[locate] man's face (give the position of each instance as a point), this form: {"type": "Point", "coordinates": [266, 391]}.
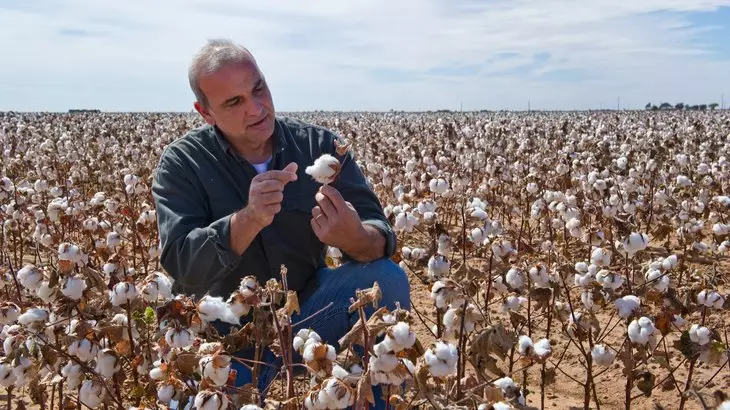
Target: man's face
{"type": "Point", "coordinates": [239, 103]}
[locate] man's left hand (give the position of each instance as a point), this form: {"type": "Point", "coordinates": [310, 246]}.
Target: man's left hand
{"type": "Point", "coordinates": [335, 221]}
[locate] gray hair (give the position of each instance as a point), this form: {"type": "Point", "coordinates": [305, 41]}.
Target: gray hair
{"type": "Point", "coordinates": [215, 55]}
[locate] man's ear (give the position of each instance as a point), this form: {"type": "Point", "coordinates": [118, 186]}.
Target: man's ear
{"type": "Point", "coordinates": [204, 113]}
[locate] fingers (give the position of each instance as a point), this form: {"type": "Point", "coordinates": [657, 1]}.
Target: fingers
{"type": "Point", "coordinates": [292, 167]}
{"type": "Point", "coordinates": [271, 185]}
{"type": "Point", "coordinates": [328, 208]}
{"type": "Point", "coordinates": [336, 199]}
{"type": "Point", "coordinates": [271, 198]}
{"type": "Point", "coordinates": [316, 211]}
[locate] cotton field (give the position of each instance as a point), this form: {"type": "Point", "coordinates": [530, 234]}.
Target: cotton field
{"type": "Point", "coordinates": [556, 260]}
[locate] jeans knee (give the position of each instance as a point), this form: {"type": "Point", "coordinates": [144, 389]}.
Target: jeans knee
{"type": "Point", "coordinates": [393, 282]}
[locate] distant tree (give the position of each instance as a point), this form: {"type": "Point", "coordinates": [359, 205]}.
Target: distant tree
{"type": "Point", "coordinates": [703, 107]}
{"type": "Point", "coordinates": [654, 108]}
{"type": "Point", "coordinates": [679, 106]}
{"type": "Point", "coordinates": [648, 105]}
{"type": "Point", "coordinates": [693, 107]}
{"type": "Point", "coordinates": [713, 106]}
{"type": "Point", "coordinates": [665, 106]}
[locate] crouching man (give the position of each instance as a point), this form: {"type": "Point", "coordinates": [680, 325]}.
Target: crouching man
{"type": "Point", "coordinates": [233, 200]}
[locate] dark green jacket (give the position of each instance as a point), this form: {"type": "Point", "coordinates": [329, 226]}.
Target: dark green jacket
{"type": "Point", "coordinates": [201, 181]}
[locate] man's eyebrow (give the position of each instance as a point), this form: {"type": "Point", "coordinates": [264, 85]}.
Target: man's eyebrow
{"type": "Point", "coordinates": [259, 83]}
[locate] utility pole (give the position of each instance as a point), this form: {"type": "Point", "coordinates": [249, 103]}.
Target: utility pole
{"type": "Point", "coordinates": [618, 103]}
{"type": "Point", "coordinates": [528, 105]}
{"type": "Point", "coordinates": [722, 100]}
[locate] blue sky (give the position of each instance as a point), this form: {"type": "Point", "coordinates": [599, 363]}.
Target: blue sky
{"type": "Point", "coordinates": [133, 55]}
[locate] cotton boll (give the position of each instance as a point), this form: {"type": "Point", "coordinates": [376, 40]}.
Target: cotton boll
{"type": "Point", "coordinates": [602, 356]}
{"type": "Point", "coordinates": [539, 276]}
{"type": "Point", "coordinates": [325, 169]}
{"type": "Point", "coordinates": [165, 392]}
{"type": "Point", "coordinates": [91, 394]}
{"type": "Point", "coordinates": [9, 313]}
{"type": "Point", "coordinates": [216, 368]}
{"type": "Point", "coordinates": [609, 280]}
{"type": "Point", "coordinates": [641, 330]}
{"type": "Point", "coordinates": [543, 348]}
{"type": "Point", "coordinates": [7, 376]}
{"type": "Point", "coordinates": [525, 347]}
{"type": "Point", "coordinates": [583, 280]}
{"type": "Point", "coordinates": [33, 316]}
{"type": "Point", "coordinates": [73, 287]}
{"type": "Point", "coordinates": [211, 400]}
{"type": "Point", "coordinates": [122, 293]}
{"type": "Point", "coordinates": [441, 359]}
{"type": "Point", "coordinates": [384, 359]}
{"type": "Point", "coordinates": [30, 277]}
{"type": "Point", "coordinates": [627, 305]}
{"type": "Point", "coordinates": [658, 280]}
{"type": "Point", "coordinates": [601, 257]}
{"type": "Point", "coordinates": [635, 242]}
{"type": "Point", "coordinates": [515, 278]}
{"type": "Point", "coordinates": [699, 334]}
{"type": "Point", "coordinates": [581, 267]}
{"type": "Point", "coordinates": [438, 266]}
{"type": "Point", "coordinates": [179, 338]}
{"type": "Point", "coordinates": [212, 308]}
{"type": "Point", "coordinates": [107, 363]}
{"type": "Point", "coordinates": [711, 299]}
{"type": "Point", "coordinates": [399, 337]}
{"type": "Point", "coordinates": [84, 349]}
{"type": "Point", "coordinates": [513, 303]}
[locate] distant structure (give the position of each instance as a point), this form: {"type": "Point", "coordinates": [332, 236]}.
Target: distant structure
{"type": "Point", "coordinates": [77, 111]}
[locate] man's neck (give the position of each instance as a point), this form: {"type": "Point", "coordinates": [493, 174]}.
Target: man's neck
{"type": "Point", "coordinates": [255, 154]}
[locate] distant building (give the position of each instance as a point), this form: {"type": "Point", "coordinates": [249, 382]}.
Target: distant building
{"type": "Point", "coordinates": [76, 111]}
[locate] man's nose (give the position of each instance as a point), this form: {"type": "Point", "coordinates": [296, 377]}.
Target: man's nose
{"type": "Point", "coordinates": [254, 108]}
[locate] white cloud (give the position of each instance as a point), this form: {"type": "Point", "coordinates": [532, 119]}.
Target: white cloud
{"type": "Point", "coordinates": [360, 54]}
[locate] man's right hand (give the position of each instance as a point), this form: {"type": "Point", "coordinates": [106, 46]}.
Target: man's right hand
{"type": "Point", "coordinates": [266, 193]}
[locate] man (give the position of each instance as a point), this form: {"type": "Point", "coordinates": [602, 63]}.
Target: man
{"type": "Point", "coordinates": [233, 200]}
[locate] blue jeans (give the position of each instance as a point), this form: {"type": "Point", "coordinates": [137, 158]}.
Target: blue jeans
{"type": "Point", "coordinates": [336, 286]}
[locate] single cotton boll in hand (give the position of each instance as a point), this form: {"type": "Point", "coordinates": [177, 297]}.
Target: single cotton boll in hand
{"type": "Point", "coordinates": [325, 169]}
{"type": "Point", "coordinates": [627, 305]}
{"type": "Point", "coordinates": [602, 356]}
{"type": "Point", "coordinates": [699, 334]}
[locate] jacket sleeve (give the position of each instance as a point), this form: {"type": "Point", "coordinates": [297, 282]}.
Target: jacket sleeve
{"type": "Point", "coordinates": [195, 250]}
{"type": "Point", "coordinates": [353, 186]}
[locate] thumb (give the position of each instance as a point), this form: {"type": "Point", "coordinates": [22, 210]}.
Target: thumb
{"type": "Point", "coordinates": [292, 167]}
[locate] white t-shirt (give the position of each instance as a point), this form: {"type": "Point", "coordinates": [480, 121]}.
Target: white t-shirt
{"type": "Point", "coordinates": [262, 166]}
